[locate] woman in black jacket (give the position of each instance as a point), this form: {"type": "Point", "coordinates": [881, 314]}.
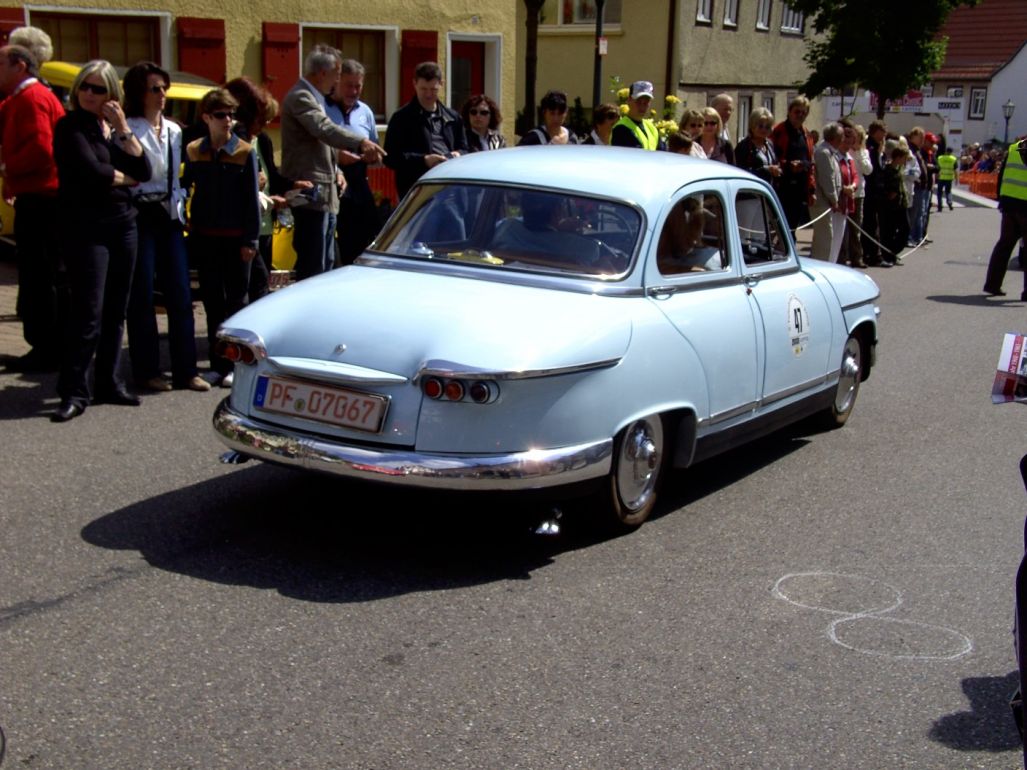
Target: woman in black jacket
{"type": "Point", "coordinates": [755, 153]}
{"type": "Point", "coordinates": [98, 160]}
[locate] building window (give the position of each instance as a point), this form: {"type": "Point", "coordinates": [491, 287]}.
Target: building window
{"type": "Point", "coordinates": [768, 103]}
{"type": "Point", "coordinates": [704, 12]}
{"type": "Point", "coordinates": [367, 46]}
{"type": "Point", "coordinates": [730, 13]}
{"type": "Point", "coordinates": [121, 40]}
{"type": "Point", "coordinates": [579, 12]}
{"type": "Point", "coordinates": [763, 14]}
{"type": "Point", "coordinates": [744, 110]}
{"type": "Point", "coordinates": [791, 21]}
{"type": "Point", "coordinates": [978, 99]}
{"type": "Point", "coordinates": [954, 92]}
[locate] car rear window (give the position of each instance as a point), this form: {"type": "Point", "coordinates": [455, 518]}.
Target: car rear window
{"type": "Point", "coordinates": [514, 228]}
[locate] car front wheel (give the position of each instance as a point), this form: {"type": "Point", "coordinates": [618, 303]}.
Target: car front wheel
{"type": "Point", "coordinates": [637, 462]}
{"type": "Point", "coordinates": [849, 377]}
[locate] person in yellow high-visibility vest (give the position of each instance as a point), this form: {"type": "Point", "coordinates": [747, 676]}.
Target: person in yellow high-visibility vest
{"type": "Point", "coordinates": [948, 170]}
{"type": "Point", "coordinates": [1012, 191]}
{"type": "Point", "coordinates": [635, 129]}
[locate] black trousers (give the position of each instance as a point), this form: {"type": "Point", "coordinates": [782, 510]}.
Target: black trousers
{"type": "Point", "coordinates": [873, 206]}
{"type": "Point", "coordinates": [100, 259]}
{"type": "Point", "coordinates": [1013, 228]}
{"type": "Point", "coordinates": [224, 284]}
{"type": "Point", "coordinates": [42, 283]}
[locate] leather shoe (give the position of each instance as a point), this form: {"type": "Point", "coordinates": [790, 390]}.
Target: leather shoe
{"type": "Point", "coordinates": [66, 411]}
{"type": "Point", "coordinates": [119, 397]}
{"type": "Point", "coordinates": [157, 385]}
{"type": "Point", "coordinates": [994, 292]}
{"type": "Point", "coordinates": [196, 383]}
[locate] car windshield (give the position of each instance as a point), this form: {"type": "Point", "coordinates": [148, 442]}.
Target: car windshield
{"type": "Point", "coordinates": [514, 228]}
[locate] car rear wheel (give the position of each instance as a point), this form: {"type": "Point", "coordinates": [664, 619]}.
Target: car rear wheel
{"type": "Point", "coordinates": [638, 459]}
{"type": "Point", "coordinates": [849, 377]}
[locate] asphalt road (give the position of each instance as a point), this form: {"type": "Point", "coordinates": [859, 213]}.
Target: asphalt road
{"type": "Point", "coordinates": [836, 599]}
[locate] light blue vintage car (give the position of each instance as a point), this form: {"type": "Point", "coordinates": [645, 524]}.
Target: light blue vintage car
{"type": "Point", "coordinates": [544, 316]}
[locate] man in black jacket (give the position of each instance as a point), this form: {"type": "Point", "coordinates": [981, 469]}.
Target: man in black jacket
{"type": "Point", "coordinates": [424, 132]}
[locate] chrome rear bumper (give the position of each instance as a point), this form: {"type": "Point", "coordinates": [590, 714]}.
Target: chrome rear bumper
{"type": "Point", "coordinates": [532, 469]}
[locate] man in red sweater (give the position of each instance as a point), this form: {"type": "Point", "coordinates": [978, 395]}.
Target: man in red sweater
{"type": "Point", "coordinates": [28, 115]}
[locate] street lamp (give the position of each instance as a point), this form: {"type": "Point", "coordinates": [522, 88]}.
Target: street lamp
{"type": "Point", "coordinates": [1007, 113]}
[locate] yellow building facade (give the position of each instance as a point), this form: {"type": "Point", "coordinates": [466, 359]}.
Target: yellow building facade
{"type": "Point", "coordinates": [693, 49]}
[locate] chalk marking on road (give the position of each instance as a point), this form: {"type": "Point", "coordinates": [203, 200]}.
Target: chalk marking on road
{"type": "Point", "coordinates": [962, 644]}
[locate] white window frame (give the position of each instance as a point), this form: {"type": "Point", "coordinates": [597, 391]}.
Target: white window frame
{"type": "Point", "coordinates": [730, 13]}
{"type": "Point", "coordinates": [791, 21]}
{"type": "Point", "coordinates": [391, 59]}
{"type": "Point", "coordinates": [704, 12]}
{"type": "Point", "coordinates": [587, 24]}
{"type": "Point", "coordinates": [163, 20]}
{"type": "Point", "coordinates": [744, 111]}
{"type": "Point", "coordinates": [767, 102]}
{"type": "Point", "coordinates": [763, 10]}
{"type": "Point", "coordinates": [493, 81]}
{"type": "Point", "coordinates": [977, 96]}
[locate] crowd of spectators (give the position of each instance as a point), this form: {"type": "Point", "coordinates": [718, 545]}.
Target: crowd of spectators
{"type": "Point", "coordinates": [107, 165]}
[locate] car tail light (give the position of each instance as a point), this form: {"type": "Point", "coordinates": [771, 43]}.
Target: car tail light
{"type": "Point", "coordinates": [478, 391]}
{"type": "Point", "coordinates": [433, 388]}
{"type": "Point", "coordinates": [235, 352]}
{"type": "Point", "coordinates": [454, 390]}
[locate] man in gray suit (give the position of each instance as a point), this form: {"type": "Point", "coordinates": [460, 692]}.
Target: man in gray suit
{"type": "Point", "coordinates": [828, 205]}
{"type": "Point", "coordinates": [310, 141]}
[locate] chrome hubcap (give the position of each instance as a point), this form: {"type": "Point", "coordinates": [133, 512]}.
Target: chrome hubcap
{"type": "Point", "coordinates": [639, 462]}
{"type": "Point", "coordinates": [848, 377]}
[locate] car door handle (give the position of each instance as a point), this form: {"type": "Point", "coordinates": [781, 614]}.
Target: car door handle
{"type": "Point", "coordinates": [661, 292]}
{"type": "Point", "coordinates": [752, 280]}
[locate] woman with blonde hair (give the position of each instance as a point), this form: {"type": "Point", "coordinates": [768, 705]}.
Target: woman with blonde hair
{"type": "Point", "coordinates": [755, 153]}
{"type": "Point", "coordinates": [715, 146]}
{"type": "Point", "coordinates": [692, 124]}
{"type": "Point", "coordinates": [99, 160]}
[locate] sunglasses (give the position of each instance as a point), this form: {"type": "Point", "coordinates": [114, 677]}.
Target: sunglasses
{"type": "Point", "coordinates": [93, 88]}
{"type": "Point", "coordinates": [767, 126]}
{"type": "Point", "coordinates": [710, 123]}
{"type": "Point", "coordinates": [222, 114]}
{"type": "Point", "coordinates": [158, 89]}
{"type": "Point", "coordinates": [484, 113]}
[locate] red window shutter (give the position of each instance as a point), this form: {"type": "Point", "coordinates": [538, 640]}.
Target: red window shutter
{"type": "Point", "coordinates": [201, 47]}
{"type": "Point", "coordinates": [418, 46]}
{"type": "Point", "coordinates": [280, 56]}
{"type": "Point", "coordinates": [10, 19]}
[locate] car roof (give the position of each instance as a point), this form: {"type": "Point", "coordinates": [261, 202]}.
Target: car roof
{"type": "Point", "coordinates": [614, 172]}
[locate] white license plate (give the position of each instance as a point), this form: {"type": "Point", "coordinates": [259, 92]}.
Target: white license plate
{"type": "Point", "coordinates": [337, 406]}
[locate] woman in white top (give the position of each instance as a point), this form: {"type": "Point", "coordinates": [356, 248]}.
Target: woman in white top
{"type": "Point", "coordinates": [160, 203]}
{"type": "Point", "coordinates": [692, 123]}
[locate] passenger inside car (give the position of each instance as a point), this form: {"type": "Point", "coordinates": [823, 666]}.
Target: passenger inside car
{"type": "Point", "coordinates": [691, 240]}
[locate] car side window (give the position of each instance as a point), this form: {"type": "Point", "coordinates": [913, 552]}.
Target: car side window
{"type": "Point", "coordinates": [692, 239]}
{"type": "Point", "coordinates": [759, 229]}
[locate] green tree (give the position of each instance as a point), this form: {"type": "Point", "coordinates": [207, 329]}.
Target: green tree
{"type": "Point", "coordinates": [887, 46]}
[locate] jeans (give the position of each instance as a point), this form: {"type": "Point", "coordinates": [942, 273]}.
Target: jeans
{"type": "Point", "coordinates": [100, 260]}
{"type": "Point", "coordinates": [917, 219]}
{"type": "Point", "coordinates": [313, 237]}
{"type": "Point", "coordinates": [161, 252]}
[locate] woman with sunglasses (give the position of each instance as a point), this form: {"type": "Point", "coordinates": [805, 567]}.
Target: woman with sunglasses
{"type": "Point", "coordinates": [161, 206]}
{"type": "Point", "coordinates": [99, 161]}
{"type": "Point", "coordinates": [482, 119]}
{"type": "Point", "coordinates": [713, 144]}
{"type": "Point", "coordinates": [224, 216]}
{"type": "Point", "coordinates": [691, 125]}
{"type": "Point", "coordinates": [755, 153]}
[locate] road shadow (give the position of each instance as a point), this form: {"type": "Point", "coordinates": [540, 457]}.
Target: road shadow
{"type": "Point", "coordinates": [978, 300]}
{"type": "Point", "coordinates": [323, 539]}
{"type": "Point", "coordinates": [988, 725]}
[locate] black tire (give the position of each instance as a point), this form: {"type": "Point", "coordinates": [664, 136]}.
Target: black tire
{"type": "Point", "coordinates": [638, 459]}
{"type": "Point", "coordinates": [849, 377]}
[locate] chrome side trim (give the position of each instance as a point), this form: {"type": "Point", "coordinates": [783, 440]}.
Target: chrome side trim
{"type": "Point", "coordinates": [729, 414]}
{"type": "Point", "coordinates": [334, 370]}
{"type": "Point", "coordinates": [244, 337]}
{"type": "Point", "coordinates": [791, 391]}
{"type": "Point", "coordinates": [438, 368]}
{"type": "Point", "coordinates": [862, 303]}
{"type": "Point", "coordinates": [531, 469]}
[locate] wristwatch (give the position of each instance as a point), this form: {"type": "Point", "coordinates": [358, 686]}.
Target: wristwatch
{"type": "Point", "coordinates": [125, 136]}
